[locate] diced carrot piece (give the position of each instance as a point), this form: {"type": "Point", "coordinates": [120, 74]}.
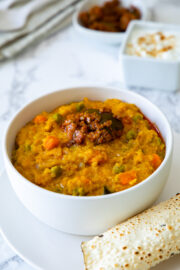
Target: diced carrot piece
{"type": "Point", "coordinates": [126, 177]}
{"type": "Point", "coordinates": [126, 120]}
{"type": "Point", "coordinates": [86, 182]}
{"type": "Point", "coordinates": [156, 161]}
{"type": "Point", "coordinates": [51, 142]}
{"type": "Point", "coordinates": [98, 157]}
{"type": "Point", "coordinates": [39, 119]}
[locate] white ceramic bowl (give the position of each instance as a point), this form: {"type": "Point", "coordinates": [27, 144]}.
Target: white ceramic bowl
{"type": "Point", "coordinates": [86, 215]}
{"type": "Point", "coordinates": [150, 73]}
{"type": "Point", "coordinates": [106, 37]}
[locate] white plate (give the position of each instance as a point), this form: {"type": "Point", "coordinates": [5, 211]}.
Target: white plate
{"type": "Point", "coordinates": [48, 249]}
{"type": "Point", "coordinates": [106, 37]}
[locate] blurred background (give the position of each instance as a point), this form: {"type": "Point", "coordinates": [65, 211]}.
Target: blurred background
{"type": "Point", "coordinates": [47, 54]}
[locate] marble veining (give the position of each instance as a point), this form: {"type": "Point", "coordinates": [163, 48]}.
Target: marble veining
{"type": "Point", "coordinates": [63, 60]}
{"type": "Point", "coordinates": [11, 262]}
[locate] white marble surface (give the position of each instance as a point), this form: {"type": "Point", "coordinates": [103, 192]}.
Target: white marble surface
{"type": "Point", "coordinates": [63, 60]}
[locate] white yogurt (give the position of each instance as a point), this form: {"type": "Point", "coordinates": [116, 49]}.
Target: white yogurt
{"type": "Point", "coordinates": [154, 44]}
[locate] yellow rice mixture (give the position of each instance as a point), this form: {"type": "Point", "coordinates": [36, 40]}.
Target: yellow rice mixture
{"type": "Point", "coordinates": [88, 169]}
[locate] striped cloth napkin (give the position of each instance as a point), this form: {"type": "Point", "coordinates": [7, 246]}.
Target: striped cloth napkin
{"type": "Point", "coordinates": [40, 24]}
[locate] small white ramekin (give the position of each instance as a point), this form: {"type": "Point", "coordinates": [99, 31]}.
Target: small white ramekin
{"type": "Point", "coordinates": [86, 215]}
{"type": "Point", "coordinates": [150, 73]}
{"type": "Point", "coordinates": [101, 36]}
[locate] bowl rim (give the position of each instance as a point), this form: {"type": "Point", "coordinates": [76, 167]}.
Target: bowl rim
{"type": "Point", "coordinates": [145, 15]}
{"type": "Point", "coordinates": [88, 198]}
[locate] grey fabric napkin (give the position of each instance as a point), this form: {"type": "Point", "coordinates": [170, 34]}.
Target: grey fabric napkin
{"type": "Point", "coordinates": [42, 23]}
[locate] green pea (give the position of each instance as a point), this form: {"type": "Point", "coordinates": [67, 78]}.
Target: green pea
{"type": "Point", "coordinates": [79, 106]}
{"type": "Point", "coordinates": [56, 171]}
{"type": "Point", "coordinates": [118, 168]}
{"type": "Point", "coordinates": [58, 189]}
{"type": "Point", "coordinates": [78, 192]}
{"type": "Point", "coordinates": [159, 141]}
{"type": "Point", "coordinates": [27, 147]}
{"type": "Point", "coordinates": [58, 118]}
{"type": "Point", "coordinates": [131, 134]}
{"type": "Point", "coordinates": [137, 117]}
{"type": "Point", "coordinates": [147, 124]}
